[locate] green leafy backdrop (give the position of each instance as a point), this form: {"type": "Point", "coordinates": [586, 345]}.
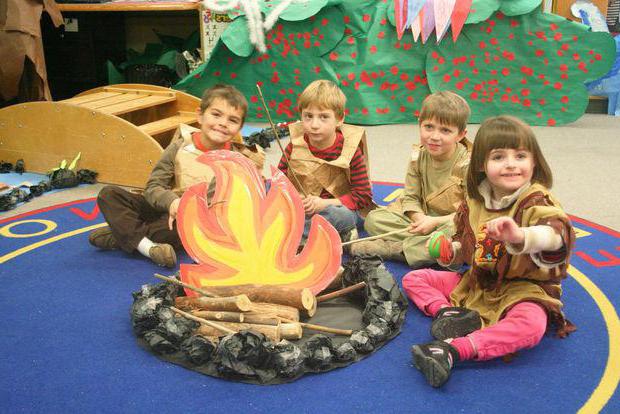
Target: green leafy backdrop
{"type": "Point", "coordinates": [509, 58]}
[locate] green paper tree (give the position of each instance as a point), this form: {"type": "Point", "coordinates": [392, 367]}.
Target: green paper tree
{"type": "Point", "coordinates": [533, 66]}
{"type": "Point", "coordinates": [354, 43]}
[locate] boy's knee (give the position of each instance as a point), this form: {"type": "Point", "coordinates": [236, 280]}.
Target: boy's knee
{"type": "Point", "coordinates": [107, 193]}
{"type": "Point", "coordinates": [370, 223]}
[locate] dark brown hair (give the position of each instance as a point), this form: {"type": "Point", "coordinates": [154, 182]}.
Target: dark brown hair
{"type": "Point", "coordinates": [226, 92]}
{"type": "Point", "coordinates": [504, 131]}
{"type": "Point", "coordinates": [447, 108]}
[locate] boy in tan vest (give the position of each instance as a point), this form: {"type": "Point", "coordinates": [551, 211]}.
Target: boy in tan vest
{"type": "Point", "coordinates": [434, 185]}
{"type": "Point", "coordinates": [326, 160]}
{"type": "Point", "coordinates": [146, 222]}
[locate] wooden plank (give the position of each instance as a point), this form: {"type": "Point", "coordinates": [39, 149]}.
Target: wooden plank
{"type": "Point", "coordinates": [168, 124]}
{"type": "Point", "coordinates": [113, 100]}
{"type": "Point", "coordinates": [128, 6]}
{"type": "Point", "coordinates": [136, 104]}
{"type": "Point", "coordinates": [44, 133]}
{"type": "Point", "coordinates": [79, 100]}
{"type": "Point", "coordinates": [139, 91]}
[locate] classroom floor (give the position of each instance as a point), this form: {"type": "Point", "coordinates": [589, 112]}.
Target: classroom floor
{"type": "Point", "coordinates": [71, 301]}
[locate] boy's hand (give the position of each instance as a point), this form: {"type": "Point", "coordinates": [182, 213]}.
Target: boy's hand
{"type": "Point", "coordinates": [505, 229]}
{"type": "Point", "coordinates": [313, 204]}
{"type": "Point", "coordinates": [423, 224]}
{"type": "Point", "coordinates": [172, 212]}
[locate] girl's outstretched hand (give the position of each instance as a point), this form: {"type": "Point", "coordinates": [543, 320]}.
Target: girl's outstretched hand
{"type": "Point", "coordinates": [505, 229]}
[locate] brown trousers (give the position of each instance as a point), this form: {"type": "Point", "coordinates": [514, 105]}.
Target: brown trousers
{"type": "Point", "coordinates": [131, 218]}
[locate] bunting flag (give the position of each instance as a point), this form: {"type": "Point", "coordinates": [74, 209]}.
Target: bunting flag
{"type": "Point", "coordinates": [443, 11]}
{"type": "Point", "coordinates": [459, 15]}
{"type": "Point", "coordinates": [400, 14]}
{"type": "Point", "coordinates": [428, 19]}
{"type": "Point", "coordinates": [413, 11]}
{"type": "Point", "coordinates": [416, 26]}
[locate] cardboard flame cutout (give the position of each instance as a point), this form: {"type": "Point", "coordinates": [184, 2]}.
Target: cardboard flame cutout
{"type": "Point", "coordinates": [249, 236]}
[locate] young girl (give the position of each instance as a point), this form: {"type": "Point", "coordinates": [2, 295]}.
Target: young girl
{"type": "Point", "coordinates": [517, 242]}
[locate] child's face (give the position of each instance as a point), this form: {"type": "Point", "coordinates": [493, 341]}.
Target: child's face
{"type": "Point", "coordinates": [508, 170]}
{"type": "Point", "coordinates": [219, 123]}
{"type": "Point", "coordinates": [320, 125]}
{"type": "Point", "coordinates": [440, 140]}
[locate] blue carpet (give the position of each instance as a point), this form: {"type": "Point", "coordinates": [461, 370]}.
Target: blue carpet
{"type": "Point", "coordinates": [67, 345]}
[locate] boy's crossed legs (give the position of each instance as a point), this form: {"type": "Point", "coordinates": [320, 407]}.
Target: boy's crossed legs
{"type": "Point", "coordinates": [135, 225]}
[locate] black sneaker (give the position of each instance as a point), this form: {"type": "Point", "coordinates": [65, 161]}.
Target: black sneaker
{"type": "Point", "coordinates": [455, 322]}
{"type": "Point", "coordinates": [435, 360]}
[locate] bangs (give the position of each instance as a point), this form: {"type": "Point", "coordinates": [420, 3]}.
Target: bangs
{"type": "Point", "coordinates": [323, 94]}
{"type": "Point", "coordinates": [509, 138]}
{"type": "Point", "coordinates": [447, 108]}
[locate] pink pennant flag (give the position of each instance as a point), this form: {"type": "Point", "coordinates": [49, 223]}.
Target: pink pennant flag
{"type": "Point", "coordinates": [443, 11]}
{"type": "Point", "coordinates": [459, 16]}
{"type": "Point", "coordinates": [428, 20]}
{"type": "Point", "coordinates": [400, 13]}
{"type": "Point", "coordinates": [416, 26]}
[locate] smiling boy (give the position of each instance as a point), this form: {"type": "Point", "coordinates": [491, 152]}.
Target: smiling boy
{"type": "Point", "coordinates": [434, 185]}
{"type": "Point", "coordinates": [327, 157]}
{"type": "Point", "coordinates": [146, 222]}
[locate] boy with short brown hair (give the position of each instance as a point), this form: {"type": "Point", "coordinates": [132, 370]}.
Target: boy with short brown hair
{"type": "Point", "coordinates": [434, 185]}
{"type": "Point", "coordinates": [326, 157]}
{"type": "Point", "coordinates": [145, 222]}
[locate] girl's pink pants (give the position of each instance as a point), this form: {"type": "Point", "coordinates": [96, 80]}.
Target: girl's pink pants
{"type": "Point", "coordinates": [522, 327]}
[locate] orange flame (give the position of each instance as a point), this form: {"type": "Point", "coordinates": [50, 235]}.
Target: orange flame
{"type": "Point", "coordinates": [250, 236]}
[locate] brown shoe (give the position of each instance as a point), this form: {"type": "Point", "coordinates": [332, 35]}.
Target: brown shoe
{"type": "Point", "coordinates": [163, 254]}
{"type": "Point", "coordinates": [386, 249]}
{"type": "Point", "coordinates": [103, 239]}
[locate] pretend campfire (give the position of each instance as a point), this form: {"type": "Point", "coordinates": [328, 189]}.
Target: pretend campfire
{"type": "Point", "coordinates": [247, 309]}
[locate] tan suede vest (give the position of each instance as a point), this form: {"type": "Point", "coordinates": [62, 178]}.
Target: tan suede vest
{"type": "Point", "coordinates": [316, 174]}
{"type": "Point", "coordinates": [188, 171]}
{"type": "Point", "coordinates": [446, 199]}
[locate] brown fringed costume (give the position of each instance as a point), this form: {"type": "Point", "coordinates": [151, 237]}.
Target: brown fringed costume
{"type": "Point", "coordinates": [498, 280]}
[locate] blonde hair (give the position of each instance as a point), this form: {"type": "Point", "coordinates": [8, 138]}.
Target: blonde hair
{"type": "Point", "coordinates": [323, 94]}
{"type": "Point", "coordinates": [228, 93]}
{"type": "Point", "coordinates": [446, 107]}
{"type": "Point", "coordinates": [504, 131]}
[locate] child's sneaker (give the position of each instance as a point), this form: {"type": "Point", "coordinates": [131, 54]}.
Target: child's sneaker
{"type": "Point", "coordinates": [162, 254]}
{"type": "Point", "coordinates": [103, 238]}
{"type": "Point", "coordinates": [435, 360]}
{"type": "Point", "coordinates": [350, 235]}
{"type": "Point", "coordinates": [455, 322]}
{"type": "Point", "coordinates": [386, 249]}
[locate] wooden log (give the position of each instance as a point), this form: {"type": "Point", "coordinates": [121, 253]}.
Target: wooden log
{"type": "Point", "coordinates": [271, 309]}
{"type": "Point", "coordinates": [239, 303]}
{"type": "Point", "coordinates": [219, 315]}
{"type": "Point", "coordinates": [250, 317]}
{"type": "Point", "coordinates": [336, 283]}
{"type": "Point", "coordinates": [187, 286]}
{"type": "Point", "coordinates": [300, 298]}
{"type": "Point", "coordinates": [291, 330]}
{"type": "Point", "coordinates": [216, 327]}
{"type": "Point", "coordinates": [321, 328]}
{"type": "Point", "coordinates": [341, 292]}
{"type": "Point", "coordinates": [270, 331]}
{"type": "Point", "coordinates": [312, 311]}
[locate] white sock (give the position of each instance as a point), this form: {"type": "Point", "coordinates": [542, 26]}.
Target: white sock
{"type": "Point", "coordinates": [145, 246]}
